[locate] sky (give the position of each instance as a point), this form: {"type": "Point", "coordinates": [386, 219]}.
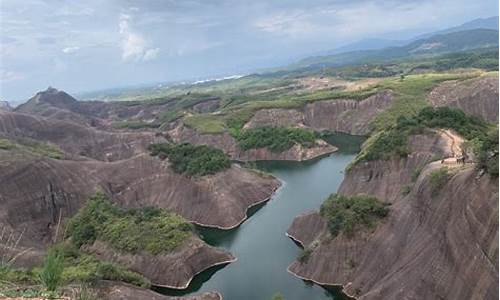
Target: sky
{"type": "Point", "coordinates": [89, 45]}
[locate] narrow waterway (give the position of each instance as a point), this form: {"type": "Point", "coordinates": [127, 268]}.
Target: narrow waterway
{"type": "Point", "coordinates": [260, 244]}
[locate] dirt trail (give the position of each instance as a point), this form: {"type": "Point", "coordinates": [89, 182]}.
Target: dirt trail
{"type": "Point", "coordinates": [454, 145]}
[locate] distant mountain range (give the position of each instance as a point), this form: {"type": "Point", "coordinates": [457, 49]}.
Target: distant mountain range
{"type": "Point", "coordinates": [378, 43]}
{"type": "Point", "coordinates": [449, 41]}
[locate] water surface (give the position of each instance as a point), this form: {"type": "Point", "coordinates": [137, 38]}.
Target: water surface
{"type": "Point", "coordinates": [260, 245]}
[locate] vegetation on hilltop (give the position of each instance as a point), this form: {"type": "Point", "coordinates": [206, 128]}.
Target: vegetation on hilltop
{"type": "Point", "coordinates": [394, 140]}
{"type": "Point", "coordinates": [349, 214]}
{"type": "Point", "coordinates": [32, 146]}
{"type": "Point", "coordinates": [276, 139]}
{"type": "Point", "coordinates": [193, 160]}
{"type": "Point", "coordinates": [148, 229]}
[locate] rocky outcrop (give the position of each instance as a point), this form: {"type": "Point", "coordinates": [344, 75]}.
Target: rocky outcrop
{"type": "Point", "coordinates": [431, 246]}
{"type": "Point", "coordinates": [477, 96]}
{"type": "Point", "coordinates": [74, 139]}
{"type": "Point", "coordinates": [276, 117]}
{"type": "Point", "coordinates": [340, 115]}
{"type": "Point", "coordinates": [172, 270]}
{"type": "Point", "coordinates": [37, 191]}
{"type": "Point", "coordinates": [228, 144]}
{"type": "Point", "coordinates": [348, 116]}
{"type": "Point", "coordinates": [110, 290]}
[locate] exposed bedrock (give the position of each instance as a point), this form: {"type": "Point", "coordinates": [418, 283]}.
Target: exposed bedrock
{"type": "Point", "coordinates": [76, 140]}
{"type": "Point", "coordinates": [110, 290]}
{"type": "Point", "coordinates": [341, 115]}
{"type": "Point", "coordinates": [229, 145]}
{"type": "Point", "coordinates": [477, 96]}
{"type": "Point", "coordinates": [35, 191]}
{"type": "Point", "coordinates": [173, 270]}
{"type": "Point", "coordinates": [431, 246]}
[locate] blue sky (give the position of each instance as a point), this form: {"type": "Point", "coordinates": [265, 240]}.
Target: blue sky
{"type": "Point", "coordinates": [94, 44]}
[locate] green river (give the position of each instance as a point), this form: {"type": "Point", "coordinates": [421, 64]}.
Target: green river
{"type": "Point", "coordinates": [260, 245]}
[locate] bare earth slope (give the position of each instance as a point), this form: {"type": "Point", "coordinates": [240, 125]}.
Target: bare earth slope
{"type": "Point", "coordinates": [431, 246]}
{"type": "Point", "coordinates": [477, 97]}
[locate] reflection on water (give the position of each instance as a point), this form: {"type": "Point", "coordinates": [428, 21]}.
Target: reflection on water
{"type": "Point", "coordinates": [260, 245]}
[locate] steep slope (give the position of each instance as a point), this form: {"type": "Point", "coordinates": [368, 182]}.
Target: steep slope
{"type": "Point", "coordinates": [37, 191]}
{"type": "Point", "coordinates": [477, 97]}
{"type": "Point", "coordinates": [434, 245]}
{"type": "Point", "coordinates": [341, 115]}
{"type": "Point", "coordinates": [227, 143]}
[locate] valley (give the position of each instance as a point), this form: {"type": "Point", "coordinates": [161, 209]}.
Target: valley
{"type": "Point", "coordinates": [365, 175]}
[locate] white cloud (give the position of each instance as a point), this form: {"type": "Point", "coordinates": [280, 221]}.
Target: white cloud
{"type": "Point", "coordinates": [134, 45]}
{"type": "Point", "coordinates": [9, 76]}
{"type": "Point", "coordinates": [151, 54]}
{"type": "Point", "coordinates": [69, 50]}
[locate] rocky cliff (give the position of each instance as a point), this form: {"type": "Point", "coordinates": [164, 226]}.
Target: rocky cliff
{"type": "Point", "coordinates": [341, 115]}
{"type": "Point", "coordinates": [110, 290]}
{"type": "Point", "coordinates": [172, 270]}
{"type": "Point", "coordinates": [477, 96]}
{"type": "Point", "coordinates": [431, 246]}
{"type": "Point", "coordinates": [229, 145]}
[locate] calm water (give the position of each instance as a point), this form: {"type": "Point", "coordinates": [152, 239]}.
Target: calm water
{"type": "Point", "coordinates": [260, 244]}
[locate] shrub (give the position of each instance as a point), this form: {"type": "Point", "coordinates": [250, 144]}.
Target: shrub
{"type": "Point", "coordinates": [52, 270]}
{"type": "Point", "coordinates": [349, 214]}
{"type": "Point", "coordinates": [278, 296]}
{"type": "Point", "coordinates": [192, 160]}
{"type": "Point", "coordinates": [148, 229]}
{"type": "Point", "coordinates": [438, 179]}
{"type": "Point", "coordinates": [394, 141]}
{"type": "Point", "coordinates": [276, 139]}
{"type": "Point", "coordinates": [304, 255]}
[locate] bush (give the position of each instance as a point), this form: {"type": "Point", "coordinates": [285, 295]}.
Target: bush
{"type": "Point", "coordinates": [148, 229]}
{"type": "Point", "coordinates": [349, 214]}
{"type": "Point", "coordinates": [304, 255]}
{"type": "Point", "coordinates": [276, 139]}
{"type": "Point", "coordinates": [52, 270]}
{"type": "Point", "coordinates": [192, 160]}
{"type": "Point", "coordinates": [438, 179]}
{"type": "Point", "coordinates": [394, 141]}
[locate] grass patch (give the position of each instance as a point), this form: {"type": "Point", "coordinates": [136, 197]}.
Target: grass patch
{"type": "Point", "coordinates": [32, 146]}
{"type": "Point", "coordinates": [134, 125]}
{"type": "Point", "coordinates": [438, 179]}
{"type": "Point", "coordinates": [410, 95]}
{"type": "Point", "coordinates": [276, 139]}
{"type": "Point", "coordinates": [148, 229]}
{"type": "Point", "coordinates": [192, 160]}
{"type": "Point", "coordinates": [206, 123]}
{"type": "Point", "coordinates": [350, 214]}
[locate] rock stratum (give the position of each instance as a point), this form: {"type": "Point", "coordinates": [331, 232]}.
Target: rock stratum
{"type": "Point", "coordinates": [477, 96]}
{"type": "Point", "coordinates": [442, 246]}
{"type": "Point", "coordinates": [340, 115]}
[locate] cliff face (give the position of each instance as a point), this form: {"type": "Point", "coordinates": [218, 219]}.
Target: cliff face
{"type": "Point", "coordinates": [431, 246]}
{"type": "Point", "coordinates": [341, 115]}
{"type": "Point", "coordinates": [173, 270]}
{"type": "Point", "coordinates": [110, 290]}
{"type": "Point", "coordinates": [477, 97]}
{"type": "Point", "coordinates": [229, 145]}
